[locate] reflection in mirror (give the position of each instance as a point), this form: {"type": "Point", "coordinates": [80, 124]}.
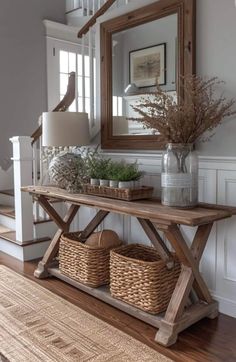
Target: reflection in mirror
{"type": "Point", "coordinates": [142, 56]}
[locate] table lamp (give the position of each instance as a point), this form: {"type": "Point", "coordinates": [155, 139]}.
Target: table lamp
{"type": "Point", "coordinates": [65, 129]}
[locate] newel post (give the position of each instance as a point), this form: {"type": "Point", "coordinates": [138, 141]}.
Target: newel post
{"type": "Point", "coordinates": [22, 162]}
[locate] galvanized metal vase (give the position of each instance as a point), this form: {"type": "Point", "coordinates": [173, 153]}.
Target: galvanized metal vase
{"type": "Point", "coordinates": [179, 177]}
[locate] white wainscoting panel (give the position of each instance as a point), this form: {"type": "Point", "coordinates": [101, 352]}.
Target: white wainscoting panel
{"type": "Point", "coordinates": [206, 193]}
{"type": "Point", "coordinates": [136, 233]}
{"type": "Point", "coordinates": [85, 215]}
{"type": "Point", "coordinates": [226, 241]}
{"type": "Point", "coordinates": [116, 223]}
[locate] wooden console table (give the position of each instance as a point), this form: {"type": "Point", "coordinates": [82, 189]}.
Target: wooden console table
{"type": "Point", "coordinates": [191, 300]}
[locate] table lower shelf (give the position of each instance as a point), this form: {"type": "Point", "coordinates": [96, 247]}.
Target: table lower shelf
{"type": "Point", "coordinates": [103, 293]}
{"type": "Point", "coordinates": [191, 315]}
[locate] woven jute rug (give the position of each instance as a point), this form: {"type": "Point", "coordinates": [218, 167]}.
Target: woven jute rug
{"type": "Point", "coordinates": [37, 325]}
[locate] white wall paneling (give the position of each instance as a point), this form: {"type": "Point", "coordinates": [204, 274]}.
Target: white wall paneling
{"type": "Point", "coordinates": [226, 242]}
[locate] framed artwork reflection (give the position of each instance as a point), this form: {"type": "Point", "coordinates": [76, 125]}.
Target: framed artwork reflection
{"type": "Point", "coordinates": [147, 66]}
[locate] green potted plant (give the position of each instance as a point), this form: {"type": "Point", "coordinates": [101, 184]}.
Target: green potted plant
{"type": "Point", "coordinates": [102, 171]}
{"type": "Point", "coordinates": [92, 161]}
{"type": "Point", "coordinates": [113, 173]}
{"type": "Point", "coordinates": [97, 167]}
{"type": "Point", "coordinates": [128, 174]}
{"type": "Point", "coordinates": [94, 173]}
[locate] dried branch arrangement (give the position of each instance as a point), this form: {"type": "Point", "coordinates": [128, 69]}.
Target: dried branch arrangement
{"type": "Point", "coordinates": [188, 119]}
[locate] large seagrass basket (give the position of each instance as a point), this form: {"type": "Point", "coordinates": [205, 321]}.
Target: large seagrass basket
{"type": "Point", "coordinates": [87, 264]}
{"type": "Point", "coordinates": [139, 277]}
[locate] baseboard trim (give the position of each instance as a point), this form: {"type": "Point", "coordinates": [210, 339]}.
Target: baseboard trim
{"type": "Point", "coordinates": [226, 306]}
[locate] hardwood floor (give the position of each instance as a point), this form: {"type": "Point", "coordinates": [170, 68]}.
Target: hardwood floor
{"type": "Point", "coordinates": [208, 340]}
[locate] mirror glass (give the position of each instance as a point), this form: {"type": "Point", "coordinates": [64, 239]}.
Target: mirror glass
{"type": "Point", "coordinates": [141, 57]}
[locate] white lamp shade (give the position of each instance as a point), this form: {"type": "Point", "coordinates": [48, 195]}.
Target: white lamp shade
{"type": "Point", "coordinates": [65, 129]}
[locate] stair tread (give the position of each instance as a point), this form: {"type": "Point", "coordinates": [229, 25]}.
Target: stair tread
{"type": "Point", "coordinates": [7, 210]}
{"type": "Point", "coordinates": [42, 220]}
{"type": "Point", "coordinates": [11, 236]}
{"type": "Point", "coordinates": [4, 229]}
{"type": "Point", "coordinates": [9, 192]}
{"type": "Point", "coordinates": [10, 212]}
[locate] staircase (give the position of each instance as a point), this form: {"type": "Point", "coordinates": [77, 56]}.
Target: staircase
{"type": "Point", "coordinates": [27, 249]}
{"type": "Point", "coordinates": [25, 230]}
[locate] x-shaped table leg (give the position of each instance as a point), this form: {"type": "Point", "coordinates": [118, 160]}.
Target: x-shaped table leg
{"type": "Point", "coordinates": [64, 226]}
{"type": "Point", "coordinates": [157, 241]}
{"type": "Point", "coordinates": [189, 277]}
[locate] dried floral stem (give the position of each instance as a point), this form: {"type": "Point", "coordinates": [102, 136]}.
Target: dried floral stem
{"type": "Point", "coordinates": [188, 119]}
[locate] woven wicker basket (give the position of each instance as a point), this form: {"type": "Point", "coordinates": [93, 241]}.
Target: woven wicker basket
{"type": "Point", "coordinates": [144, 192]}
{"type": "Point", "coordinates": [140, 278]}
{"type": "Point", "coordinates": [85, 263]}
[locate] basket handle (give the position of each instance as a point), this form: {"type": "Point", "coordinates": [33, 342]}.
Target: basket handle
{"type": "Point", "coordinates": [100, 238]}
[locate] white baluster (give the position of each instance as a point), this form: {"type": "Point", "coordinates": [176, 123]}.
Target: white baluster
{"type": "Point", "coordinates": [35, 180]}
{"type": "Point", "coordinates": [91, 77]}
{"type": "Point", "coordinates": [76, 4]}
{"type": "Point", "coordinates": [83, 6]}
{"type": "Point", "coordinates": [83, 73]}
{"type": "Point", "coordinates": [43, 170]}
{"type": "Point", "coordinates": [88, 8]}
{"type": "Point", "coordinates": [35, 163]}
{"type": "Point", "coordinates": [93, 8]}
{"type": "Point", "coordinates": [41, 165]}
{"type": "Point", "coordinates": [69, 5]}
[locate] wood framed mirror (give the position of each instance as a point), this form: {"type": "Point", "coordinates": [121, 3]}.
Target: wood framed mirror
{"type": "Point", "coordinates": [155, 42]}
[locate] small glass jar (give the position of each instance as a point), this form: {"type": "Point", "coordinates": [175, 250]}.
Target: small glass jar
{"type": "Point", "coordinates": [179, 177]}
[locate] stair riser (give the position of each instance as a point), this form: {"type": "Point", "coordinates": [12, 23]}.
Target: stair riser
{"type": "Point", "coordinates": [26, 253]}
{"type": "Point", "coordinates": [35, 251]}
{"type": "Point", "coordinates": [45, 229]}
{"type": "Point", "coordinates": [8, 222]}
{"type": "Point", "coordinates": [6, 200]}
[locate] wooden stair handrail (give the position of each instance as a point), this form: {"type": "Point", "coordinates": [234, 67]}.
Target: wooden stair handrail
{"type": "Point", "coordinates": [62, 106]}
{"type": "Point", "coordinates": [93, 19]}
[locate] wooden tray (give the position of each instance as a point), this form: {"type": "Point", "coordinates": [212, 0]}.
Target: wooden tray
{"type": "Point", "coordinates": [143, 192]}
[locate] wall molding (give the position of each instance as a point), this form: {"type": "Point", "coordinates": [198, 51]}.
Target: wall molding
{"type": "Point", "coordinates": [209, 162]}
{"type": "Point", "coordinates": [226, 306]}
{"type": "Point", "coordinates": [61, 32]}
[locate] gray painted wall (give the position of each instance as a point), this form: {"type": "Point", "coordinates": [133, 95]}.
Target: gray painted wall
{"type": "Point", "coordinates": [216, 56]}
{"type": "Point", "coordinates": [23, 66]}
